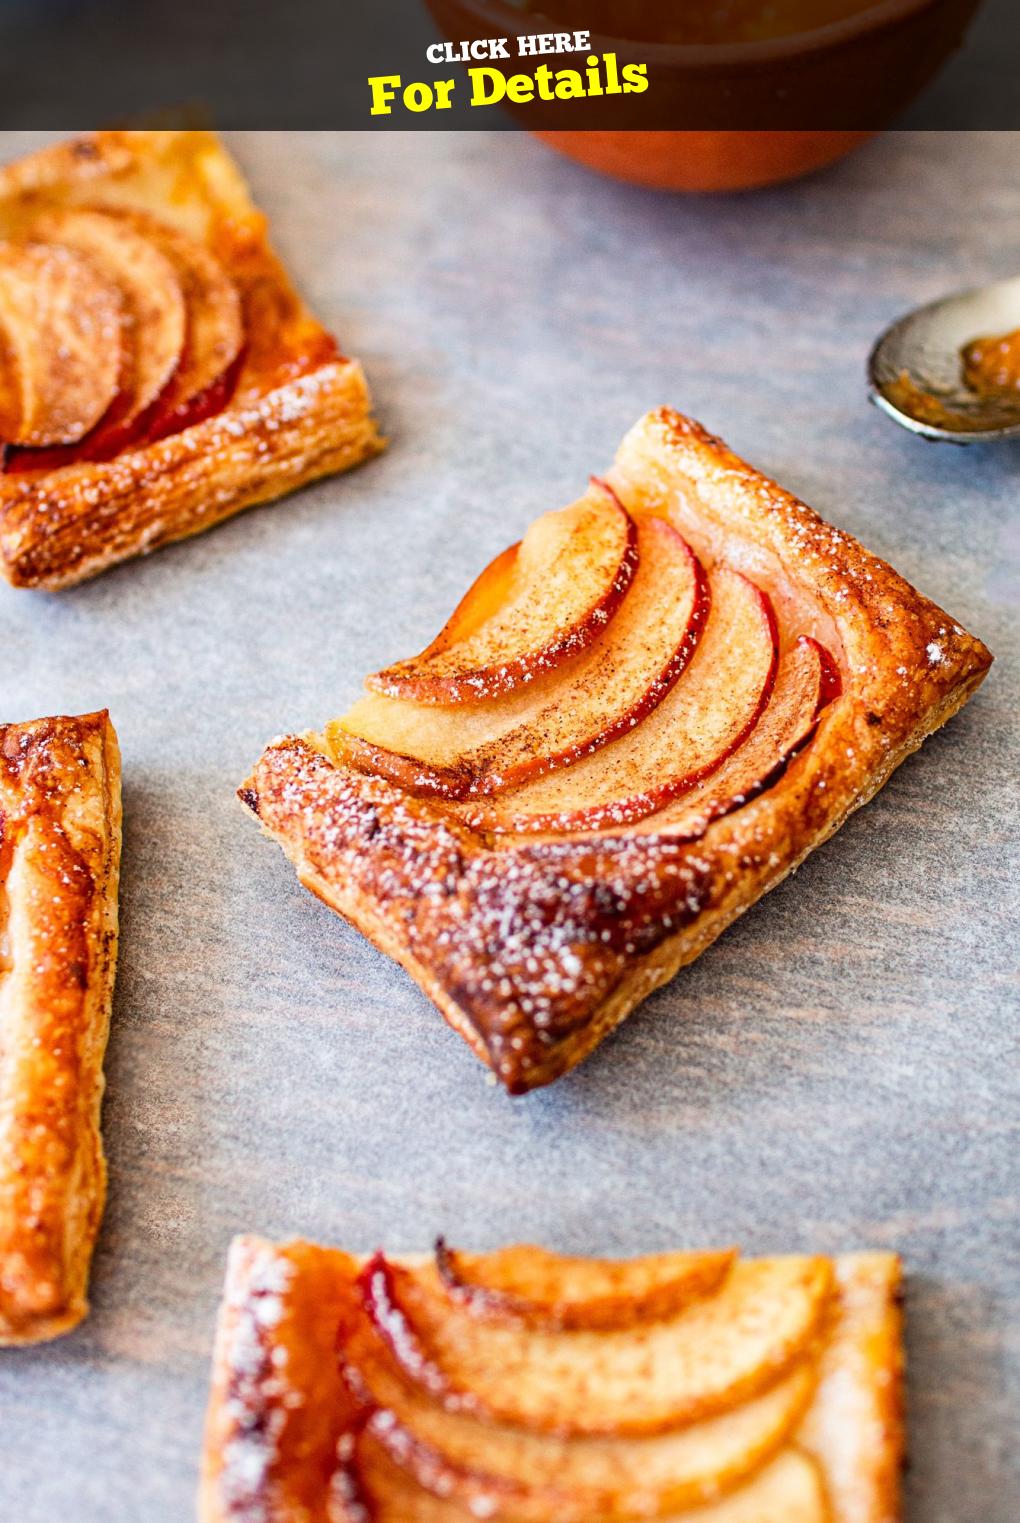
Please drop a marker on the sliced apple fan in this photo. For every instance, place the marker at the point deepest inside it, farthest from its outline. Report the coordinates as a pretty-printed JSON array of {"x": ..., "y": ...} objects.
[
  {"x": 639, "y": 720},
  {"x": 675, "y": 677},
  {"x": 115, "y": 330},
  {"x": 551, "y": 716},
  {"x": 682, "y": 1386}
]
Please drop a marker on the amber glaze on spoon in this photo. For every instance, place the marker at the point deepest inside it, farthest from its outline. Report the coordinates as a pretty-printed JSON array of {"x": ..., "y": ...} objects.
[{"x": 950, "y": 371}]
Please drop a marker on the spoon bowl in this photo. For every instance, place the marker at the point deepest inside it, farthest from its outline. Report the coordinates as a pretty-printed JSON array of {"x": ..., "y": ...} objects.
[{"x": 915, "y": 371}]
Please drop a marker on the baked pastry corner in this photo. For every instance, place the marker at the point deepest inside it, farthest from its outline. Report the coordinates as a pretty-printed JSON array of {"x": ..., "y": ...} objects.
[
  {"x": 226, "y": 391},
  {"x": 520, "y": 1385},
  {"x": 528, "y": 818},
  {"x": 60, "y": 827}
]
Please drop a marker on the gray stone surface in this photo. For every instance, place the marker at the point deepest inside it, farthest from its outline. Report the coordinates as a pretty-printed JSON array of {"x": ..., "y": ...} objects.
[{"x": 838, "y": 1071}]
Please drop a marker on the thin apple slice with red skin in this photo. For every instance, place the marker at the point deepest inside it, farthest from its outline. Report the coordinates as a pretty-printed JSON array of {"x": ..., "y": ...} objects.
[
  {"x": 454, "y": 751},
  {"x": 369, "y": 1485},
  {"x": 152, "y": 329},
  {"x": 204, "y": 404},
  {"x": 214, "y": 328},
  {"x": 378, "y": 1285},
  {"x": 546, "y": 1478},
  {"x": 60, "y": 344},
  {"x": 538, "y": 1478},
  {"x": 184, "y": 331},
  {"x": 702, "y": 721},
  {"x": 807, "y": 682},
  {"x": 546, "y": 1290},
  {"x": 534, "y": 607},
  {"x": 715, "y": 1354}
]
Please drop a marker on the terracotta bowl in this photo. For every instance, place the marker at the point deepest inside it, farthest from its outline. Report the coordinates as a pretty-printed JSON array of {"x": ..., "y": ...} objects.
[{"x": 742, "y": 115}]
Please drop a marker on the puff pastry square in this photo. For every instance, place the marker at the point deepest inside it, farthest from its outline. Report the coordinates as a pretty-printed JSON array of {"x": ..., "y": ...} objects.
[
  {"x": 59, "y": 862},
  {"x": 524, "y": 1387},
  {"x": 158, "y": 372},
  {"x": 636, "y": 723}
]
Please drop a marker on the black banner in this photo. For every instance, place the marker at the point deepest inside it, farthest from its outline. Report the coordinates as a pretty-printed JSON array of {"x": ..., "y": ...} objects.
[{"x": 552, "y": 65}]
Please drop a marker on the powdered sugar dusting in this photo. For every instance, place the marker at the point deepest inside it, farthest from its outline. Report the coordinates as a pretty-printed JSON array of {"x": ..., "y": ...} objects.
[
  {"x": 526, "y": 943},
  {"x": 258, "y": 1397}
]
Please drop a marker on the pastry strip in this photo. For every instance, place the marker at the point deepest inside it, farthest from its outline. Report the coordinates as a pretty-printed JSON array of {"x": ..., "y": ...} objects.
[{"x": 60, "y": 828}]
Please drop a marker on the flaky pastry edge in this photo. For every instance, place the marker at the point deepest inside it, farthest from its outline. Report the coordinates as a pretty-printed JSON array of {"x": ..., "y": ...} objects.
[{"x": 60, "y": 835}]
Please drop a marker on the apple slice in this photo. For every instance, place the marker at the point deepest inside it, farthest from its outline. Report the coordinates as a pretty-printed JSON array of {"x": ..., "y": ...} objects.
[
  {"x": 152, "y": 327},
  {"x": 537, "y": 604},
  {"x": 60, "y": 327},
  {"x": 214, "y": 329},
  {"x": 807, "y": 681},
  {"x": 538, "y": 1478},
  {"x": 545, "y": 1478},
  {"x": 549, "y": 1290},
  {"x": 369, "y": 1484},
  {"x": 187, "y": 334},
  {"x": 455, "y": 751},
  {"x": 712, "y": 1356},
  {"x": 705, "y": 717}
]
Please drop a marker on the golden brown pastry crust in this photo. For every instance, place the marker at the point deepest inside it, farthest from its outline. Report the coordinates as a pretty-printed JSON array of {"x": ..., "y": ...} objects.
[
  {"x": 60, "y": 819},
  {"x": 279, "y": 1407},
  {"x": 535, "y": 949},
  {"x": 300, "y": 410},
  {"x": 274, "y": 1417}
]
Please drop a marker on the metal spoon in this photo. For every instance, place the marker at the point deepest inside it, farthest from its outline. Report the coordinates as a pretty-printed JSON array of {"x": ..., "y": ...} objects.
[{"x": 915, "y": 371}]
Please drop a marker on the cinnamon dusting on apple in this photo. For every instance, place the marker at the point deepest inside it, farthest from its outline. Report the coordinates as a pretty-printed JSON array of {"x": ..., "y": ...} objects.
[
  {"x": 60, "y": 344},
  {"x": 548, "y": 1292},
  {"x": 177, "y": 351},
  {"x": 579, "y": 703},
  {"x": 539, "y": 603}
]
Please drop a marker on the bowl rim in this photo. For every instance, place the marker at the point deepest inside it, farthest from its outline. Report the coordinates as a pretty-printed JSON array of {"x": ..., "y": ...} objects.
[{"x": 714, "y": 55}]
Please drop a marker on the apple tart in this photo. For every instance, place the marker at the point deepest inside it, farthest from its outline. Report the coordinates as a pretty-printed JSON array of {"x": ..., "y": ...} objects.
[
  {"x": 157, "y": 370},
  {"x": 639, "y": 720},
  {"x": 525, "y": 1387},
  {"x": 59, "y": 862}
]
